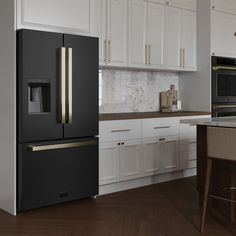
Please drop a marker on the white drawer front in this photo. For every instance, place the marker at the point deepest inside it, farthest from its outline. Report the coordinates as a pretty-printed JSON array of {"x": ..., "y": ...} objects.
[
  {"x": 188, "y": 159},
  {"x": 188, "y": 142},
  {"x": 119, "y": 130},
  {"x": 159, "y": 127},
  {"x": 186, "y": 128}
]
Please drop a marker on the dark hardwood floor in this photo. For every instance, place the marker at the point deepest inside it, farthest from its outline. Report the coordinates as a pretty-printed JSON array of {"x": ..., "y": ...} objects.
[{"x": 167, "y": 209}]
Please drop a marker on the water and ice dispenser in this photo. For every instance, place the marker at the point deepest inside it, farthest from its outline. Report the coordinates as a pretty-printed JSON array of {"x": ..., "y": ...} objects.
[{"x": 39, "y": 97}]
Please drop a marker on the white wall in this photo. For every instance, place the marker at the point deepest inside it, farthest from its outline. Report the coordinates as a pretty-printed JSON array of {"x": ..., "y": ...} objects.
[
  {"x": 195, "y": 88},
  {"x": 7, "y": 106}
]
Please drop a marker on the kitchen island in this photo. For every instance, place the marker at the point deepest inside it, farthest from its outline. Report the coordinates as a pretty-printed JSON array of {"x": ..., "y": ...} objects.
[{"x": 222, "y": 176}]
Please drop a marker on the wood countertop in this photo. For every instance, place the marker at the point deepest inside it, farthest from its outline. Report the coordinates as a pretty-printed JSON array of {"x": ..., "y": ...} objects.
[{"x": 145, "y": 115}]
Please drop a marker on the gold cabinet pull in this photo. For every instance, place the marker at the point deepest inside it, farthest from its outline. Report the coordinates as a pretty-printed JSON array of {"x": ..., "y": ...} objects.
[
  {"x": 37, "y": 148},
  {"x": 105, "y": 51},
  {"x": 69, "y": 85},
  {"x": 62, "y": 84},
  {"x": 146, "y": 53},
  {"x": 162, "y": 127},
  {"x": 149, "y": 54},
  {"x": 109, "y": 46},
  {"x": 120, "y": 130},
  {"x": 183, "y": 57}
]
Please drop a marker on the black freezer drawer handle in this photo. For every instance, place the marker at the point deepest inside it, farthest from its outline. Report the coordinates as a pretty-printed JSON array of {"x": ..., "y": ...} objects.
[{"x": 37, "y": 148}]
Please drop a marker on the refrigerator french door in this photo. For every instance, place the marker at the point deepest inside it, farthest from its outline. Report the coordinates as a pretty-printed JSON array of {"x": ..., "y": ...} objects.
[{"x": 57, "y": 118}]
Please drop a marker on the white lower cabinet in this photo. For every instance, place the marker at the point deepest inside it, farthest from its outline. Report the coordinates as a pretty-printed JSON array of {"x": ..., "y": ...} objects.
[
  {"x": 108, "y": 163},
  {"x": 130, "y": 159},
  {"x": 132, "y": 149},
  {"x": 119, "y": 161},
  {"x": 170, "y": 157},
  {"x": 151, "y": 156},
  {"x": 159, "y": 155}
]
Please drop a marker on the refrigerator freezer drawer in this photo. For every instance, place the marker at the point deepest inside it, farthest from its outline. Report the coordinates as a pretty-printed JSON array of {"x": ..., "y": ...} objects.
[{"x": 51, "y": 173}]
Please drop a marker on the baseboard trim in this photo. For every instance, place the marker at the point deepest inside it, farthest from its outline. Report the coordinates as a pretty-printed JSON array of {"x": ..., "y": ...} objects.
[{"x": 137, "y": 183}]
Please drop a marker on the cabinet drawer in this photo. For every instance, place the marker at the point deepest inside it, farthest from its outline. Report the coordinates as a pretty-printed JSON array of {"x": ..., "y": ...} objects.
[
  {"x": 192, "y": 164},
  {"x": 159, "y": 127},
  {"x": 188, "y": 143},
  {"x": 119, "y": 130},
  {"x": 188, "y": 159},
  {"x": 186, "y": 128}
]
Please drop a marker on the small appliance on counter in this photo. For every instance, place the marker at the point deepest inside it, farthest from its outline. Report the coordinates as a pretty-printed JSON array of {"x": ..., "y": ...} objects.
[{"x": 169, "y": 100}]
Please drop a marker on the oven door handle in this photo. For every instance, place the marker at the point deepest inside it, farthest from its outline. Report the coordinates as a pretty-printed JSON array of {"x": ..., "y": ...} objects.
[
  {"x": 223, "y": 106},
  {"x": 215, "y": 68}
]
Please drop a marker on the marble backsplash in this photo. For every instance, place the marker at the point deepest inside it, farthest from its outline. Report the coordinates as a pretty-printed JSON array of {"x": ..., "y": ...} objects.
[{"x": 132, "y": 90}]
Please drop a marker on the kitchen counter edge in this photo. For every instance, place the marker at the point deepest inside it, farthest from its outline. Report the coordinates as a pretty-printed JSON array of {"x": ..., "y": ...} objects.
[{"x": 146, "y": 115}]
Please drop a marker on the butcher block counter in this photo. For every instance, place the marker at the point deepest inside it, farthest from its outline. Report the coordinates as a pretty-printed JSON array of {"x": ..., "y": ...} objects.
[{"x": 222, "y": 170}]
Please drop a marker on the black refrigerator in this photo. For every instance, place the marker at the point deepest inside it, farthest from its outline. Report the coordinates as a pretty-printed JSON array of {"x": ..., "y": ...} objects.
[{"x": 57, "y": 118}]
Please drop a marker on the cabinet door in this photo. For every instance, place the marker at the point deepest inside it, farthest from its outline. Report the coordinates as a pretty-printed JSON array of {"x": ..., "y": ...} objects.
[
  {"x": 170, "y": 157},
  {"x": 173, "y": 38},
  {"x": 225, "y": 5},
  {"x": 189, "y": 40},
  {"x": 63, "y": 16},
  {"x": 185, "y": 4},
  {"x": 117, "y": 32},
  {"x": 108, "y": 163},
  {"x": 130, "y": 159},
  {"x": 223, "y": 34},
  {"x": 151, "y": 156},
  {"x": 137, "y": 33},
  {"x": 156, "y": 13},
  {"x": 101, "y": 29}
]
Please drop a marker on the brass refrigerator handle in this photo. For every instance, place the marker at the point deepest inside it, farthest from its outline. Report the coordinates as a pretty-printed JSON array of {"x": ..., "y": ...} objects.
[
  {"x": 62, "y": 82},
  {"x": 69, "y": 85},
  {"x": 37, "y": 148}
]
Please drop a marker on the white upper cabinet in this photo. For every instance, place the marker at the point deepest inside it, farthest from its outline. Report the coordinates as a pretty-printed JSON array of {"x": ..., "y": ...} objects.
[
  {"x": 185, "y": 4},
  {"x": 75, "y": 16},
  {"x": 156, "y": 18},
  {"x": 117, "y": 32},
  {"x": 137, "y": 33},
  {"x": 173, "y": 38},
  {"x": 224, "y": 5},
  {"x": 189, "y": 40},
  {"x": 223, "y": 34},
  {"x": 111, "y": 27},
  {"x": 100, "y": 28}
]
